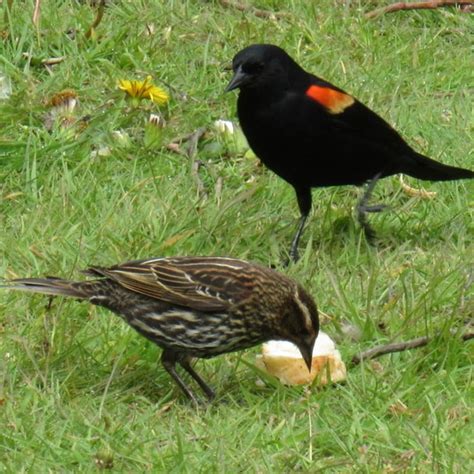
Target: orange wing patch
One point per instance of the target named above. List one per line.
(334, 101)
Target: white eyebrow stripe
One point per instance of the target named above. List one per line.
(304, 309)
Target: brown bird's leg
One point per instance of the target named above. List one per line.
(303, 195)
(169, 359)
(186, 364)
(363, 208)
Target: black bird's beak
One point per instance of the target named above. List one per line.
(239, 79)
(306, 349)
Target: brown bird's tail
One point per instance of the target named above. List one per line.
(422, 167)
(51, 286)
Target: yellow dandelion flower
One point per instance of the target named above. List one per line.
(144, 90)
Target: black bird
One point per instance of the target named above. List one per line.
(313, 134)
(196, 306)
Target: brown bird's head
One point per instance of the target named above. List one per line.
(261, 66)
(300, 323)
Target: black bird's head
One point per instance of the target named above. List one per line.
(260, 66)
(300, 323)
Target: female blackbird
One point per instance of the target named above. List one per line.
(196, 306)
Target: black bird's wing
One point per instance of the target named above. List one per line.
(359, 134)
(332, 138)
(200, 283)
(348, 116)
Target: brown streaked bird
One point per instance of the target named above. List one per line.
(196, 306)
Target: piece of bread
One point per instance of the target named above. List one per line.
(283, 360)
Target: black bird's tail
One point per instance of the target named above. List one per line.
(422, 167)
(52, 286)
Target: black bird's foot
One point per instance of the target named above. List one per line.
(362, 211)
(369, 232)
(294, 255)
(372, 208)
(363, 208)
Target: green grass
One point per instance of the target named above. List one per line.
(79, 389)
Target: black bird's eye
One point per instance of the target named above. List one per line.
(252, 68)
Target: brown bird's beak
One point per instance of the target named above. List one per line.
(306, 349)
(239, 79)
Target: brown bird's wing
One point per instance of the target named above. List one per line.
(201, 283)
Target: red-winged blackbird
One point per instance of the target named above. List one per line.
(196, 306)
(313, 134)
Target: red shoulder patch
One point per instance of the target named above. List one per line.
(334, 101)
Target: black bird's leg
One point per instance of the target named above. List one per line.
(362, 208)
(169, 359)
(303, 195)
(186, 364)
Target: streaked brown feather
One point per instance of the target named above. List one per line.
(212, 285)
